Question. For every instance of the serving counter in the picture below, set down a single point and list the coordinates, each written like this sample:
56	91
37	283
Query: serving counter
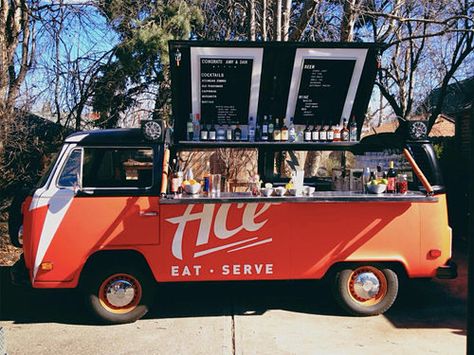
318	196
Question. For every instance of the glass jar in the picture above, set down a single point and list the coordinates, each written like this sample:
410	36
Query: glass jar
402	184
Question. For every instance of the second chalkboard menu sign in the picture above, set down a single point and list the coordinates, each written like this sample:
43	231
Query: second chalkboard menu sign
323	90
225	90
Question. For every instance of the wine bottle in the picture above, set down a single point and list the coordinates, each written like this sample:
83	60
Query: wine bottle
277	131
238	133
391	177
284	131
251	130
322	133
315	134
337	133
330	133
271	127
190	128
204	133
353	130
345	132
307	133
264	131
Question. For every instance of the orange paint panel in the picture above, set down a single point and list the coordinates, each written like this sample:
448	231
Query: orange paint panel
95	223
435	234
243	241
229	241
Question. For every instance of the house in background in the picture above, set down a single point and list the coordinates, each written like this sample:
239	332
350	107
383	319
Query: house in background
444	126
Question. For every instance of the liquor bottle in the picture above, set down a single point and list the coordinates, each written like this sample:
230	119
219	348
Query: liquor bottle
204	133
344	132
337	133
207	177
238	133
391	177
307	133
197	127
212	133
353	130
291	131
264	131
277	131
330	133
251	130
271	127
322	133
229	134
173	177
315	134
258	134
180	176
220	133
284	131
190	128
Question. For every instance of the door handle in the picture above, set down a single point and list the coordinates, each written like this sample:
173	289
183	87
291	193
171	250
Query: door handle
148	213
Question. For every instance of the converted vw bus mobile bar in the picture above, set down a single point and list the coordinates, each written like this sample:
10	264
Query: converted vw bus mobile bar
110	217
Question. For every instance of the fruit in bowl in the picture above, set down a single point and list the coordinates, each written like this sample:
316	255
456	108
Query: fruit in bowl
375	187
191	186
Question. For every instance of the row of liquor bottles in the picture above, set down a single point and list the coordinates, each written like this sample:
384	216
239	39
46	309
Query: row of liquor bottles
270	130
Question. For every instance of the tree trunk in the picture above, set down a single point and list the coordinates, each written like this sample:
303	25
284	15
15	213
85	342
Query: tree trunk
286	20
264	20
252	20
277	21
348	20
15	56
307	13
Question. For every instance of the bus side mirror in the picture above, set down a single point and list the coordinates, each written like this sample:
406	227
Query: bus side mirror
77	185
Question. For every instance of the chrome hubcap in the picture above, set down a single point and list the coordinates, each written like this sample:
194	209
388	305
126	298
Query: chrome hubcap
120	293
366	285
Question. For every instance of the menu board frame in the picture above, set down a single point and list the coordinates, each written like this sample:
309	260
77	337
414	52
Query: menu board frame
357	54
198	53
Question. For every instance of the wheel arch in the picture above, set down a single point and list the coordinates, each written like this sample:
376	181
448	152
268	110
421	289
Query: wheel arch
397	266
116	257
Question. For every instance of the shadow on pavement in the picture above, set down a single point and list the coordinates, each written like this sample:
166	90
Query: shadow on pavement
421	303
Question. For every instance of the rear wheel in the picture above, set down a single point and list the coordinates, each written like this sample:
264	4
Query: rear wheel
119	295
366	290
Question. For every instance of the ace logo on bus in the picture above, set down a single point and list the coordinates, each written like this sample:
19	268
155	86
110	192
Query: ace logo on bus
218	225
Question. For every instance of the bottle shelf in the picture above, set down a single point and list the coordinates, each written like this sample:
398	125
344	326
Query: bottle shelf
269	145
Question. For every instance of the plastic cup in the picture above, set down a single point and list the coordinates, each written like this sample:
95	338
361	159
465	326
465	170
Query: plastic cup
216	184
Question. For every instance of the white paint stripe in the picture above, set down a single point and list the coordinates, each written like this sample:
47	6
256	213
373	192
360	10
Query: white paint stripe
36	201
58	206
76	138
251	245
212	250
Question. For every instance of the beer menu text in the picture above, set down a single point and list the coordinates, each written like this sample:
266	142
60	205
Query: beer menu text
323	89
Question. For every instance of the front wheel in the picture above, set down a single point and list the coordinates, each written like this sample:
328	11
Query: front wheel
366	290
118	296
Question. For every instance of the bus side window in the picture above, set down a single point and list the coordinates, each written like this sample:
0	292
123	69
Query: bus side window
71	169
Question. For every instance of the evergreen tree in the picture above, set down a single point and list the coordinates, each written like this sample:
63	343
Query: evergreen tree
139	69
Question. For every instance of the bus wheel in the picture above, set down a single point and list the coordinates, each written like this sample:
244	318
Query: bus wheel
366	290
117	296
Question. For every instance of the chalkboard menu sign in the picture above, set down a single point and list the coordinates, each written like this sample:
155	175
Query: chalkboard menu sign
225	90
323	90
